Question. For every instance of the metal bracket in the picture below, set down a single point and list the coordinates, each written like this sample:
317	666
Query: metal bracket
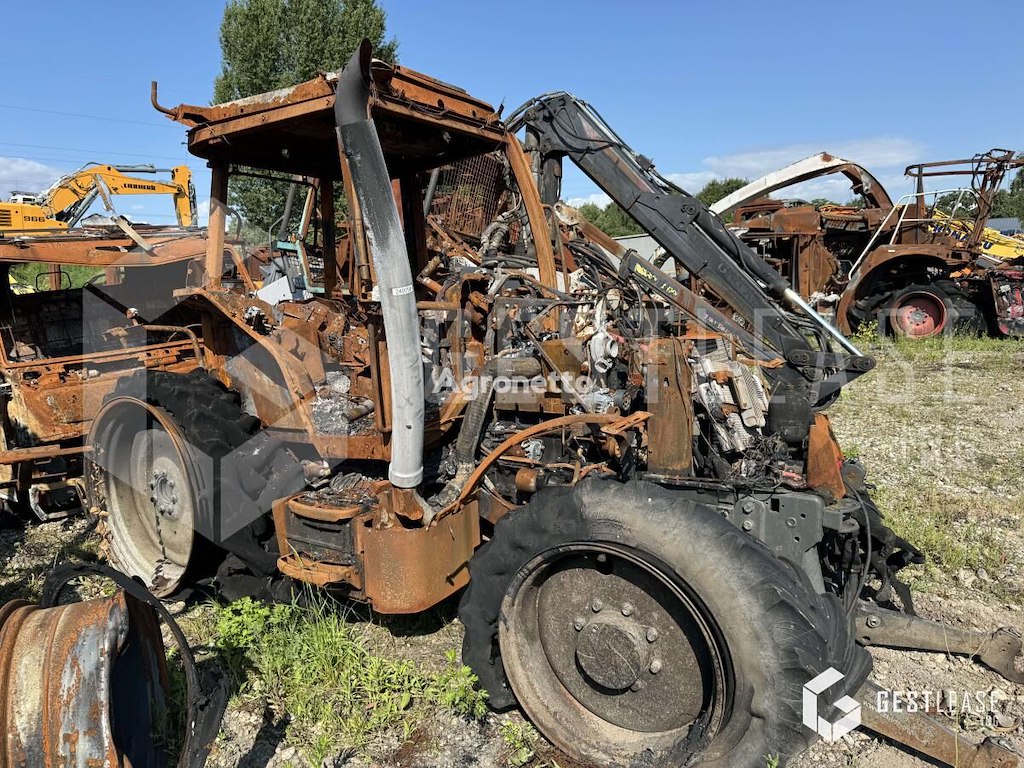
814	359
129	230
997	650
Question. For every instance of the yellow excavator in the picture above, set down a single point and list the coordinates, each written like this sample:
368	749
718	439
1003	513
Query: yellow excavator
63	205
992	243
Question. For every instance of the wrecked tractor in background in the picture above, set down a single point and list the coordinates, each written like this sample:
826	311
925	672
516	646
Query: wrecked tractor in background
923	266
64	347
469	387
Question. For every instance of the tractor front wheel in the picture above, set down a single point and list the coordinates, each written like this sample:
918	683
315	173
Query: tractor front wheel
635	627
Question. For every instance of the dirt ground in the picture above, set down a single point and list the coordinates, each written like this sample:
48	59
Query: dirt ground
941	430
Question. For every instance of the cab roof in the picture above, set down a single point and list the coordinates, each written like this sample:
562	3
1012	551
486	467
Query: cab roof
423	123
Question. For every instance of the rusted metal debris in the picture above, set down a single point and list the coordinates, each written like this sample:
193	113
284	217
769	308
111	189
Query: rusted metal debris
928	736
86	684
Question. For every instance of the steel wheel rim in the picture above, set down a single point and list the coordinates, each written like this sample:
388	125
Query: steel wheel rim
150	504
684	672
919	315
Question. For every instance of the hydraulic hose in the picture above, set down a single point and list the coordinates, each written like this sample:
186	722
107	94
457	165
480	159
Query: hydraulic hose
476	416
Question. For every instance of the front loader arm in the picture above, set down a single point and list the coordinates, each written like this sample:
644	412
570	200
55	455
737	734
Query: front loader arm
559	125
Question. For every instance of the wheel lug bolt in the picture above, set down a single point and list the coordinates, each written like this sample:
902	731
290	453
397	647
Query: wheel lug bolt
578	625
636	686
152	483
627	609
174	499
596	606
652	635
170	483
747	525
153	498
655	667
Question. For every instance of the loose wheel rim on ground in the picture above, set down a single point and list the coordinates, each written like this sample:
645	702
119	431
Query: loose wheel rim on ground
628	659
149	499
918	315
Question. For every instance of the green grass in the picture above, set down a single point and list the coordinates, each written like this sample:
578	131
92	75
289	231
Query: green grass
34	275
520	740
928	425
954	531
318	669
936	349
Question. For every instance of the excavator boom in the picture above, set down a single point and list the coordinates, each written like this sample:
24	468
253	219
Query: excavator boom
66	201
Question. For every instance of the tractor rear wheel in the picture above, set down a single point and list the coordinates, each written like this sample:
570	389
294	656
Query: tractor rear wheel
180	474
638	628
920	311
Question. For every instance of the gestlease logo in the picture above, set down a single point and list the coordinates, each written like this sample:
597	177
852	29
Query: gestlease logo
830	732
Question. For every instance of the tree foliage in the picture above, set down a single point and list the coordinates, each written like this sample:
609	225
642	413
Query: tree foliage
614	221
1010	202
271	44
716	189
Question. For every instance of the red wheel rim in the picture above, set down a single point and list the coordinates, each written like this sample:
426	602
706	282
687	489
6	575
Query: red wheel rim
918	315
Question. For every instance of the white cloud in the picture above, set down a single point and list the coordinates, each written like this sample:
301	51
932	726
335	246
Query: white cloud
600	199
203	211
693	181
17	173
884	157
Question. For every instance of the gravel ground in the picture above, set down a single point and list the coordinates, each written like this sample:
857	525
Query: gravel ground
942	429
945	426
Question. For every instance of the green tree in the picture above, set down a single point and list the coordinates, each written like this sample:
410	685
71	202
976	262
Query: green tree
716	189
271	44
1010	201
617	223
612	219
819	202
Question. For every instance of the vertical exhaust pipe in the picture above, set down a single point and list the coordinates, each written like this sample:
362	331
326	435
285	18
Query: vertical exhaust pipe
357	138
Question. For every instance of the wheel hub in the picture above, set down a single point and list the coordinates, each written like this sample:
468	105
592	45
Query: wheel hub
614	637
164	497
613	652
149	497
919	315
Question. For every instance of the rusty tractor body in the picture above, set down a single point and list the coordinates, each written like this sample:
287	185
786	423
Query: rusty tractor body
922	266
469	388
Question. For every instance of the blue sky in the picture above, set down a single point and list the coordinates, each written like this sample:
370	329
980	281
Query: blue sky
706	89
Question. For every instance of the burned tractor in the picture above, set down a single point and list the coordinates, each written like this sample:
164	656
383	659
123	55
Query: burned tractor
923	266
65	344
658	538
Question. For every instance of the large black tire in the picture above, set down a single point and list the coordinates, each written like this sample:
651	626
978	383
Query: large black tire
237	471
777	632
954	310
